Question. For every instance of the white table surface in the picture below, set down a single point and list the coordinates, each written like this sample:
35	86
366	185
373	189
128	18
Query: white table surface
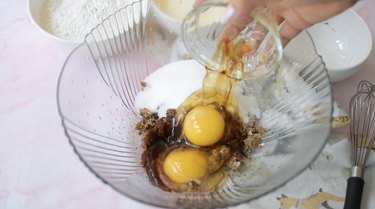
38	168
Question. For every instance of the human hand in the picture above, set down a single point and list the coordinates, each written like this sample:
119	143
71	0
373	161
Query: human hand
293	15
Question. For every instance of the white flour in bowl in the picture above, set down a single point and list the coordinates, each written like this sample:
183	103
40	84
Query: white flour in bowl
73	19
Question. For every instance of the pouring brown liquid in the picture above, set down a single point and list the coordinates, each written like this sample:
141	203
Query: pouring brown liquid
215	92
218	84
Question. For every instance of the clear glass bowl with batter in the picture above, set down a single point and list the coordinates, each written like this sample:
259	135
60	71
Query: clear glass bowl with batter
102	77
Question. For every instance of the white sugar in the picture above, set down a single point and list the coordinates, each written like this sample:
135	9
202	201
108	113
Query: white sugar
170	85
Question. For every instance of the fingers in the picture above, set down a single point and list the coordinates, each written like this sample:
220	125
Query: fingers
239	19
298	15
288	32
197	3
292	26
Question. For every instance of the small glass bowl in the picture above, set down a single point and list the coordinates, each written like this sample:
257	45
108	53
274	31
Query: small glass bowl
202	33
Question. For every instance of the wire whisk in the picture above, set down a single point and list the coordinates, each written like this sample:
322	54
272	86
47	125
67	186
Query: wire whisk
362	135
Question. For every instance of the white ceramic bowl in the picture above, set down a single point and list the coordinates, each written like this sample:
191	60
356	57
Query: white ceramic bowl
35	13
344	42
165	20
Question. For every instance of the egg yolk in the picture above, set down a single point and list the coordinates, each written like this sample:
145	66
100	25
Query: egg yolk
203	126
185	165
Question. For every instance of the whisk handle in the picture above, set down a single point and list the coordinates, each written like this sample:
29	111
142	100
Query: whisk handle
354	191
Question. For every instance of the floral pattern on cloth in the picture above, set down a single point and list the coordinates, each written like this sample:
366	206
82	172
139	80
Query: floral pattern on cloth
323	184
314	201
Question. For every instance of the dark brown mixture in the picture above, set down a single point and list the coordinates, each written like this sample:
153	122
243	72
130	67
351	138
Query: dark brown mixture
163	134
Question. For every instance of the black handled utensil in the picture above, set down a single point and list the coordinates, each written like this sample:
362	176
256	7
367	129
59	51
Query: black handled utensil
362	135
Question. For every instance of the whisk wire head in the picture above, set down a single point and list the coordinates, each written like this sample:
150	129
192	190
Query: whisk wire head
362	127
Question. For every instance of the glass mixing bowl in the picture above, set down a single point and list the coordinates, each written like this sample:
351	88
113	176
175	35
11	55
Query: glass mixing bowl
100	80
